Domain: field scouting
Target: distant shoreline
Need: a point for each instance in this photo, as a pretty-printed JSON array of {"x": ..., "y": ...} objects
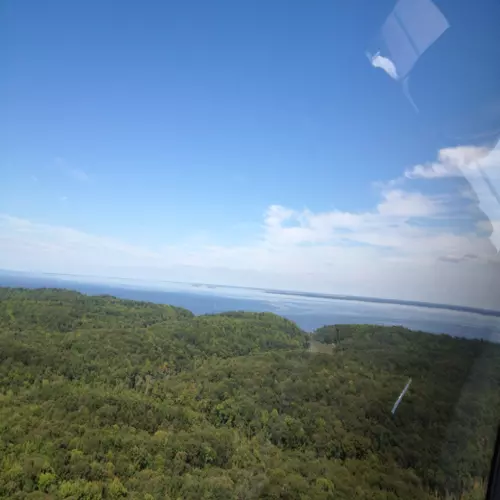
[
  {"x": 353, "y": 298},
  {"x": 430, "y": 305}
]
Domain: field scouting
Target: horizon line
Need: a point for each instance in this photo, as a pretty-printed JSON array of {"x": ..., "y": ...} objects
[{"x": 297, "y": 293}]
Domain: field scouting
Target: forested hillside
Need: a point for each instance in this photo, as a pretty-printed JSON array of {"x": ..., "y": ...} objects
[{"x": 106, "y": 398}]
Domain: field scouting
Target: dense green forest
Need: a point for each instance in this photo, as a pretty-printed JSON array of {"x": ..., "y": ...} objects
[{"x": 106, "y": 398}]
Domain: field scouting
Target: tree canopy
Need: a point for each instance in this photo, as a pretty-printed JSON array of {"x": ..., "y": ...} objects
[{"x": 107, "y": 398}]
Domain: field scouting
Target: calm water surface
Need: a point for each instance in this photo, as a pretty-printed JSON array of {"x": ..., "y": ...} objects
[{"x": 309, "y": 313}]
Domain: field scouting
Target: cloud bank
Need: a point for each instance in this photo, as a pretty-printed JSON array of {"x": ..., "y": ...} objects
[{"x": 409, "y": 246}]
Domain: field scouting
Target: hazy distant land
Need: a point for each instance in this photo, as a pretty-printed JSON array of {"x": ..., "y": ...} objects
[
  {"x": 355, "y": 298},
  {"x": 432, "y": 305}
]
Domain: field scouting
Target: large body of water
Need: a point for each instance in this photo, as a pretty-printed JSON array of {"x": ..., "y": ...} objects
[{"x": 308, "y": 312}]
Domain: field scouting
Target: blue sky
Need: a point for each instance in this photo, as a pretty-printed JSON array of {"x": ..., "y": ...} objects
[{"x": 236, "y": 142}]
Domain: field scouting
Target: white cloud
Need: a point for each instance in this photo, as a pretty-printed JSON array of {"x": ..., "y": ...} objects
[
  {"x": 378, "y": 252},
  {"x": 399, "y": 203},
  {"x": 407, "y": 246},
  {"x": 491, "y": 227},
  {"x": 480, "y": 167},
  {"x": 458, "y": 161},
  {"x": 67, "y": 243},
  {"x": 432, "y": 171},
  {"x": 381, "y": 227},
  {"x": 378, "y": 61}
]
